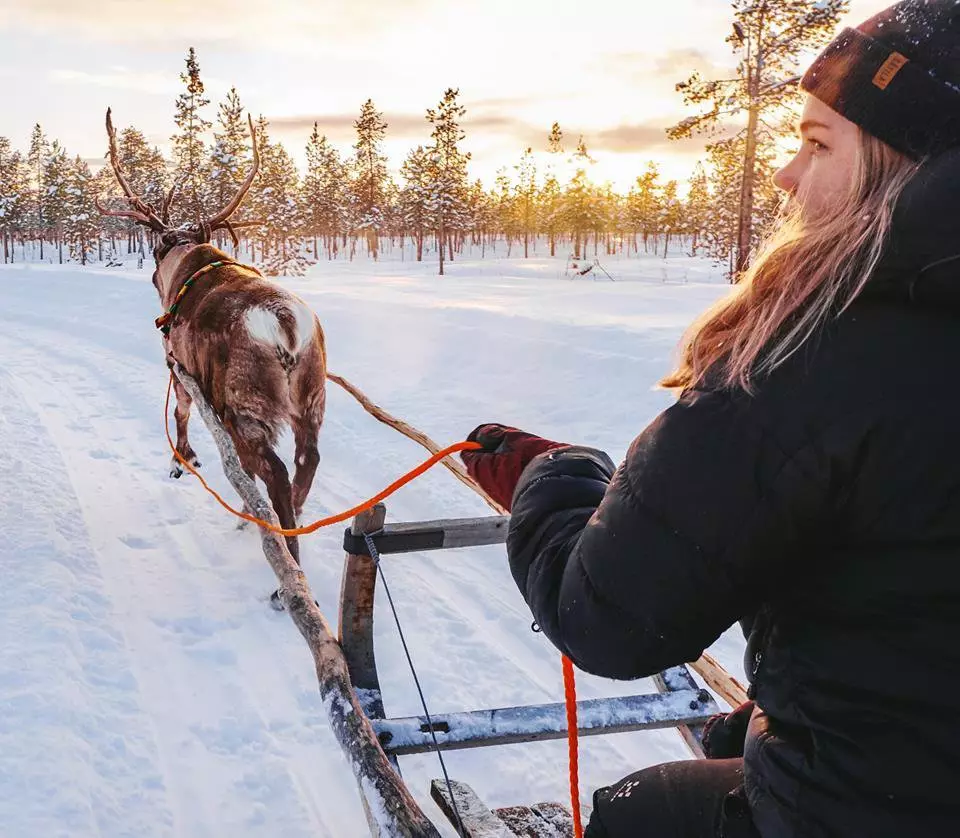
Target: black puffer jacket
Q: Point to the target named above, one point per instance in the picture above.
(824, 513)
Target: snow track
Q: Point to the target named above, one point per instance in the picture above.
(146, 687)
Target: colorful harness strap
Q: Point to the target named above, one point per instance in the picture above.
(164, 321)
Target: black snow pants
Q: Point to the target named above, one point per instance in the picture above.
(697, 798)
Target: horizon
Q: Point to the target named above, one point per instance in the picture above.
(83, 57)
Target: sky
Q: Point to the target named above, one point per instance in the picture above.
(604, 68)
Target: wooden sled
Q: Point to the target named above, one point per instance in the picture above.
(678, 702)
(348, 683)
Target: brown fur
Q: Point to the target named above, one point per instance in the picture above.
(254, 386)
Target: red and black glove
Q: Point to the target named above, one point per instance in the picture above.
(724, 733)
(505, 454)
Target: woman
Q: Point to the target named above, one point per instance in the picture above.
(806, 482)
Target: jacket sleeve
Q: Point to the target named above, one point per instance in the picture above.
(633, 569)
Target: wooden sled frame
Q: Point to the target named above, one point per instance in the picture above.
(678, 702)
(350, 690)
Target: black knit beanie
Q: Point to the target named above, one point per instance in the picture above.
(897, 76)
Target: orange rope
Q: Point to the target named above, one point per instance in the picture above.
(569, 682)
(323, 522)
(570, 693)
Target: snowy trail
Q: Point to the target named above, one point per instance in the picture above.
(153, 692)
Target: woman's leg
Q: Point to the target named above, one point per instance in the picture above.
(673, 800)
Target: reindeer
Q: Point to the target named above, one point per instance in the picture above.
(256, 350)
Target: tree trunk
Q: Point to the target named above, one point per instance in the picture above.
(440, 244)
(745, 220)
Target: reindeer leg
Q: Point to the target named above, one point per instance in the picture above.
(307, 458)
(182, 416)
(259, 458)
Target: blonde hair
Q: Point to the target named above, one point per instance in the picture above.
(809, 269)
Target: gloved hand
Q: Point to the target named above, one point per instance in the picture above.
(506, 453)
(724, 733)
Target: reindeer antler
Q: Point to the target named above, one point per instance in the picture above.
(141, 212)
(217, 221)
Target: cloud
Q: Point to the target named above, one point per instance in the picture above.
(286, 23)
(338, 126)
(663, 70)
(652, 137)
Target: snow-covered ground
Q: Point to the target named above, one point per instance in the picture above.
(146, 688)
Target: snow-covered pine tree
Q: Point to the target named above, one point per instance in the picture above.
(37, 158)
(57, 177)
(504, 202)
(230, 157)
(79, 225)
(671, 214)
(324, 193)
(770, 36)
(147, 172)
(415, 197)
(526, 194)
(643, 205)
(370, 174)
(550, 206)
(697, 206)
(277, 202)
(449, 170)
(189, 153)
(580, 208)
(479, 215)
(14, 196)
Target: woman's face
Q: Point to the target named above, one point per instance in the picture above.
(823, 168)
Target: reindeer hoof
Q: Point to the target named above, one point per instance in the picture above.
(176, 467)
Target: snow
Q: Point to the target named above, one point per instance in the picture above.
(147, 688)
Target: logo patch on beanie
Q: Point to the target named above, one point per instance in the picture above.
(889, 69)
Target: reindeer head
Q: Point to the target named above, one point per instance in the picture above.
(186, 234)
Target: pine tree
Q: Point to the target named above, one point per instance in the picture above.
(771, 36)
(644, 205)
(449, 164)
(147, 172)
(323, 192)
(415, 197)
(579, 200)
(526, 191)
(80, 217)
(697, 206)
(555, 139)
(37, 158)
(277, 201)
(57, 177)
(230, 156)
(14, 194)
(671, 214)
(188, 148)
(370, 166)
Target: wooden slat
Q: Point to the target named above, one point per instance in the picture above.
(442, 534)
(355, 629)
(478, 821)
(720, 681)
(479, 728)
